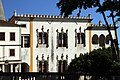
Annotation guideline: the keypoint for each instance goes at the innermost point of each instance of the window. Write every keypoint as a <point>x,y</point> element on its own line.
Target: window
<point>7,68</point>
<point>62,39</point>
<point>95,39</point>
<point>22,25</point>
<point>25,41</point>
<point>107,39</point>
<point>2,36</point>
<point>43,66</point>
<point>102,40</point>
<point>80,38</point>
<point>62,66</point>
<point>12,52</point>
<point>12,36</point>
<point>43,38</point>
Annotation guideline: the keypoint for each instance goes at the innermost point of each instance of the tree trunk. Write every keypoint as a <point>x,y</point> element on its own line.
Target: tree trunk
<point>111,38</point>
<point>116,40</point>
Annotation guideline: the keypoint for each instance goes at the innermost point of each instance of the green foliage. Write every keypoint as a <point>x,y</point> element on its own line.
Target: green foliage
<point>68,6</point>
<point>80,64</point>
<point>97,62</point>
<point>112,6</point>
<point>115,69</point>
<point>101,61</point>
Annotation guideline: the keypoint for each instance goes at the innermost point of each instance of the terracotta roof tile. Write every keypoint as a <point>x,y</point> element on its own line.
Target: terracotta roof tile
<point>5,23</point>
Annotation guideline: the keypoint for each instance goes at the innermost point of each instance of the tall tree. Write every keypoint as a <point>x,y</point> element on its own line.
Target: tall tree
<point>113,6</point>
<point>98,63</point>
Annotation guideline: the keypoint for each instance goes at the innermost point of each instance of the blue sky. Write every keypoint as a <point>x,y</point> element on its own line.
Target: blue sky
<point>44,7</point>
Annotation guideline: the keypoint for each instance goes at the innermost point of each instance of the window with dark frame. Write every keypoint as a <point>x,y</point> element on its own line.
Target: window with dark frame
<point>79,41</point>
<point>62,40</point>
<point>22,25</point>
<point>2,36</point>
<point>80,38</point>
<point>43,38</point>
<point>95,39</point>
<point>12,52</point>
<point>102,40</point>
<point>25,41</point>
<point>108,39</point>
<point>43,66</point>
<point>22,41</point>
<point>12,36</point>
<point>62,66</point>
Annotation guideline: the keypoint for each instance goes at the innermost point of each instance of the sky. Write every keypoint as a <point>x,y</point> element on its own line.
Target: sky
<point>45,7</point>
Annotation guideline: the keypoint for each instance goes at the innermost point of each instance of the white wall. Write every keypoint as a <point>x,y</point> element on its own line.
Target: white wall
<point>6,45</point>
<point>70,51</point>
<point>98,32</point>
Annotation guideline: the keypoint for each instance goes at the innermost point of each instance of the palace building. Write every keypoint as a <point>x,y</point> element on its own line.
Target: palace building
<point>46,43</point>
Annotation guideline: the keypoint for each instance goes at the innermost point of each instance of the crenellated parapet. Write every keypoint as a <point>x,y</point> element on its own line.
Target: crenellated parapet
<point>50,16</point>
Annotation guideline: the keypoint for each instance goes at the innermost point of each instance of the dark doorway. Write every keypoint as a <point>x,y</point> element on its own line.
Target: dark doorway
<point>24,67</point>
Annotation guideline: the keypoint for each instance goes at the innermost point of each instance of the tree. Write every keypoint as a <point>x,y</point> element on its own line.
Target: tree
<point>97,63</point>
<point>80,65</point>
<point>101,61</point>
<point>68,6</point>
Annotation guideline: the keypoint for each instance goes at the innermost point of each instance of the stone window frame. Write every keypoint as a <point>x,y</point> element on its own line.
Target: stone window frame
<point>12,36</point>
<point>95,39</point>
<point>25,41</point>
<point>62,38</point>
<point>2,36</point>
<point>11,52</point>
<point>79,37</point>
<point>44,38</point>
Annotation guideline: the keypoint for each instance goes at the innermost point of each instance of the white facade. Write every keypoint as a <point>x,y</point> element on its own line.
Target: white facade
<point>10,47</point>
<point>49,43</point>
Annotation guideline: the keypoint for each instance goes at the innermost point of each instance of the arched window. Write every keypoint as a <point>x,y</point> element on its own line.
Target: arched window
<point>102,40</point>
<point>42,37</point>
<point>24,67</point>
<point>108,39</point>
<point>43,66</point>
<point>62,66</point>
<point>62,38</point>
<point>95,39</point>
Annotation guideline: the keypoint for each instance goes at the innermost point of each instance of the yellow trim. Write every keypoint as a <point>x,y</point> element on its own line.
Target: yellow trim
<point>31,46</point>
<point>90,40</point>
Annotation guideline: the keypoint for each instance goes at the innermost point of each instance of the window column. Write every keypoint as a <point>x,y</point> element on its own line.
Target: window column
<point>42,38</point>
<point>3,68</point>
<point>57,38</point>
<point>75,37</point>
<point>11,67</point>
<point>25,41</point>
<point>80,36</point>
<point>62,38</point>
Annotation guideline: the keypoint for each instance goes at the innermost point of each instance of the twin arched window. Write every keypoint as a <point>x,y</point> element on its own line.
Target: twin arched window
<point>95,39</point>
<point>101,39</point>
<point>107,39</point>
